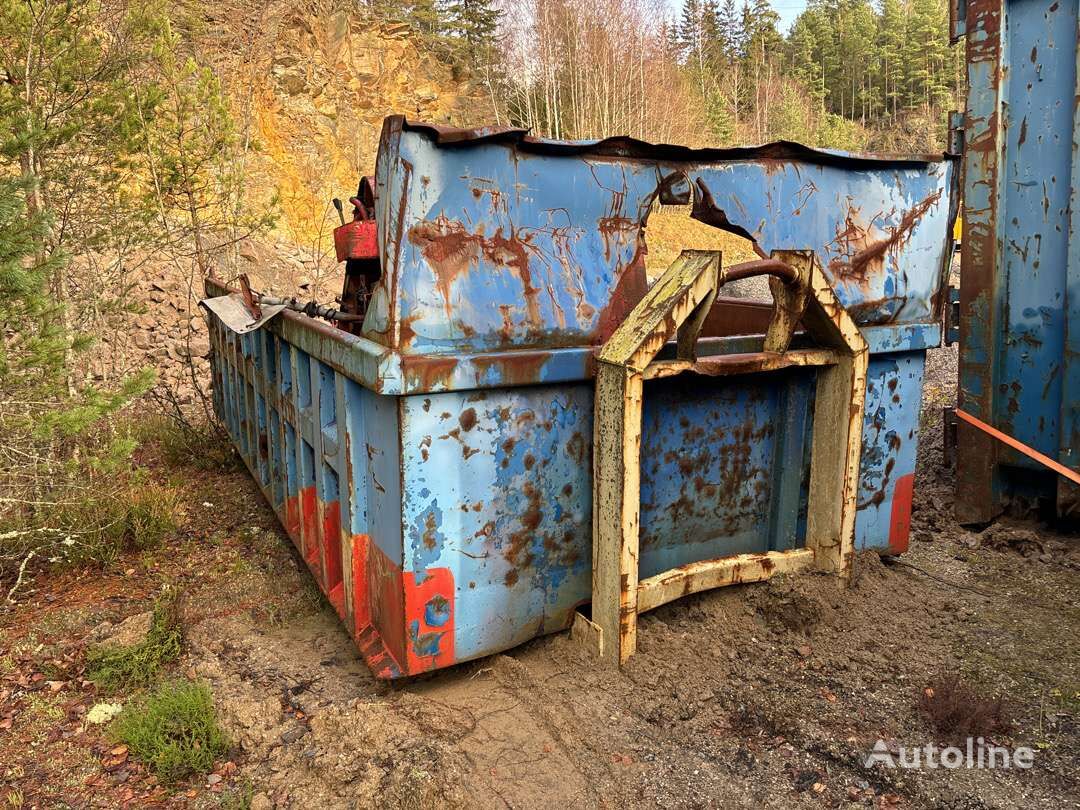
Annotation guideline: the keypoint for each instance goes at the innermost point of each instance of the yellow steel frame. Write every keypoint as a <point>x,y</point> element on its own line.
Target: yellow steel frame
<point>675,307</point>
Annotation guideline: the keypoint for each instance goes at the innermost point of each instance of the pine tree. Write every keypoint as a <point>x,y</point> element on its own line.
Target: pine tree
<point>759,27</point>
<point>890,54</point>
<point>868,64</point>
<point>34,346</point>
<point>190,150</point>
<point>746,28</point>
<point>690,31</point>
<point>926,77</point>
<point>669,38</point>
<point>805,55</point>
<point>731,31</point>
<point>712,39</point>
<point>474,24</point>
<point>426,17</point>
<point>70,128</point>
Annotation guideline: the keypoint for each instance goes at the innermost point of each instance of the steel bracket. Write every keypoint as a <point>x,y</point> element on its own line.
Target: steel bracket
<point>952,317</point>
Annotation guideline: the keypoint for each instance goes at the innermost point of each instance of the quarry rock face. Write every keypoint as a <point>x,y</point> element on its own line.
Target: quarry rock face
<point>309,93</point>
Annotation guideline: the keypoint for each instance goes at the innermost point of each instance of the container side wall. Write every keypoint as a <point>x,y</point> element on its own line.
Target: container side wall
<point>497,517</point>
<point>890,442</point>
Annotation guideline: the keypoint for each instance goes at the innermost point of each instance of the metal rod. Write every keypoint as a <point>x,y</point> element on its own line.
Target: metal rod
<point>762,267</point>
<point>312,308</point>
<point>1030,452</point>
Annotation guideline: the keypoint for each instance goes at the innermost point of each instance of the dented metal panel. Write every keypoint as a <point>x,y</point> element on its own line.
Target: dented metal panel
<point>514,244</point>
<point>434,470</point>
<point>1019,291</point>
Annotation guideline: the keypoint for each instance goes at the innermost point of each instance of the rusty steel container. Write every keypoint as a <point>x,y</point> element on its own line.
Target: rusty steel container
<point>434,469</point>
<point>1019,297</point>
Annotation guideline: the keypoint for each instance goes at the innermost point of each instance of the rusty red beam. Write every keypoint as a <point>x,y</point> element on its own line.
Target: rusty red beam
<point>1030,452</point>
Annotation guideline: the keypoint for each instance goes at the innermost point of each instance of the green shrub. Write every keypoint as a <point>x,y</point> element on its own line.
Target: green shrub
<point>188,441</point>
<point>173,730</point>
<point>112,667</point>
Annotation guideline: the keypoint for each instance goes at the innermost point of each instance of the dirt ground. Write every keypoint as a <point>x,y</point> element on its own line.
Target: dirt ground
<point>766,695</point>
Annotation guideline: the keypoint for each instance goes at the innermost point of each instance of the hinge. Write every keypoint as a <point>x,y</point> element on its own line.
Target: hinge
<point>952,317</point>
<point>956,133</point>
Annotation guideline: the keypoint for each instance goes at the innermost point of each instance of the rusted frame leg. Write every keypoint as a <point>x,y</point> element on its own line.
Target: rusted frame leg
<point>978,480</point>
<point>834,465</point>
<point>616,505</point>
<point>1068,493</point>
<point>838,418</point>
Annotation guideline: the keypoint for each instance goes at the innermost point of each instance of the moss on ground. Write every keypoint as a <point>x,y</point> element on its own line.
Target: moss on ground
<point>113,667</point>
<point>173,730</point>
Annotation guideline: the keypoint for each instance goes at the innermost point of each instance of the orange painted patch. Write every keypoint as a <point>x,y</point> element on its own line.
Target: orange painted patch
<point>331,538</point>
<point>900,519</point>
<point>429,619</point>
<point>292,516</point>
<point>310,519</point>
<point>379,623</point>
<point>361,598</point>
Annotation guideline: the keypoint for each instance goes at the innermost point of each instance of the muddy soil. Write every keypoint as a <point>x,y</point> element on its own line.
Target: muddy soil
<point>765,695</point>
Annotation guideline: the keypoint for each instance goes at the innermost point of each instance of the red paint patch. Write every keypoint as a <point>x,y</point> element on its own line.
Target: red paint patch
<point>900,520</point>
<point>378,610</point>
<point>309,515</point>
<point>292,517</point>
<point>429,619</point>
<point>337,598</point>
<point>331,538</point>
<point>361,599</point>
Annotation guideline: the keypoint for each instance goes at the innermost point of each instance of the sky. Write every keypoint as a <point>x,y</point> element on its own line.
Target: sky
<point>787,9</point>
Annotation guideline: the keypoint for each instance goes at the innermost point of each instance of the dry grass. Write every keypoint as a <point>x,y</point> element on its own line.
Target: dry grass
<point>957,711</point>
<point>670,230</point>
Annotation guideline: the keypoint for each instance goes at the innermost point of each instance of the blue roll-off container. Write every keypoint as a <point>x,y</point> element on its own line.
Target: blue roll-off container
<point>1019,297</point>
<point>435,469</point>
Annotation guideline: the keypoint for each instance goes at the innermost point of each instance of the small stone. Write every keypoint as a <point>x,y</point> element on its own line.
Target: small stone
<point>260,801</point>
<point>196,347</point>
<point>293,83</point>
<point>213,779</point>
<point>293,734</point>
